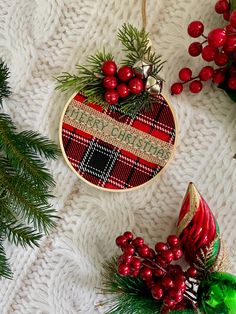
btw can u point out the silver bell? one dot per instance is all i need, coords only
(142, 69)
(154, 85)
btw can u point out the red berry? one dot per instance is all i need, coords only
(138, 242)
(128, 235)
(175, 270)
(226, 15)
(160, 261)
(192, 272)
(176, 88)
(157, 292)
(217, 37)
(136, 85)
(232, 19)
(232, 71)
(206, 73)
(185, 74)
(176, 294)
(230, 44)
(232, 83)
(128, 249)
(173, 240)
(209, 53)
(158, 272)
(123, 90)
(121, 241)
(126, 258)
(221, 6)
(179, 283)
(167, 282)
(136, 263)
(125, 73)
(109, 67)
(195, 86)
(111, 97)
(218, 77)
(195, 49)
(151, 254)
(146, 273)
(229, 29)
(169, 303)
(144, 250)
(134, 273)
(110, 82)
(161, 246)
(123, 270)
(221, 59)
(195, 29)
(178, 253)
(168, 256)
(150, 283)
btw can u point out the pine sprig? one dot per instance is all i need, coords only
(25, 211)
(5, 90)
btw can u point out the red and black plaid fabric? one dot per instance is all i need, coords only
(107, 166)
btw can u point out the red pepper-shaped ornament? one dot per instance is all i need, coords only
(197, 228)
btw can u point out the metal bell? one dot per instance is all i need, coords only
(154, 85)
(142, 69)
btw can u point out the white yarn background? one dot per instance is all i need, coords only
(41, 38)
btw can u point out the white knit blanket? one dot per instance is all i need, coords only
(41, 38)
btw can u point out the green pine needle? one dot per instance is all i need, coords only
(25, 211)
(5, 90)
(5, 270)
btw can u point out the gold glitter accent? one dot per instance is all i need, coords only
(194, 199)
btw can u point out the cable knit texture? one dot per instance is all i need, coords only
(41, 38)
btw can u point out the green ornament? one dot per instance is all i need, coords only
(217, 294)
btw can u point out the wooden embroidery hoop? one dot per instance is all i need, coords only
(108, 189)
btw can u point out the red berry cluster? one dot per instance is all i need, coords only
(119, 84)
(165, 281)
(218, 47)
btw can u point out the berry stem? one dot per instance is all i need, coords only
(204, 36)
(205, 41)
(192, 79)
(157, 265)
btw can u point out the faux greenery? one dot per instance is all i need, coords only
(25, 212)
(128, 295)
(88, 80)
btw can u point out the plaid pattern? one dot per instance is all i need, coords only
(106, 165)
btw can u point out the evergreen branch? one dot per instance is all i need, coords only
(128, 295)
(39, 144)
(5, 270)
(5, 90)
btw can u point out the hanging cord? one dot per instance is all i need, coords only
(144, 14)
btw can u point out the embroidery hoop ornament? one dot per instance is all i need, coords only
(131, 160)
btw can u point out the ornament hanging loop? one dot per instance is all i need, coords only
(144, 14)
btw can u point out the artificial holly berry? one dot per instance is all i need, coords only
(123, 270)
(209, 53)
(126, 258)
(121, 241)
(176, 88)
(173, 240)
(226, 15)
(109, 67)
(111, 97)
(146, 273)
(195, 86)
(218, 77)
(232, 83)
(157, 292)
(136, 85)
(128, 249)
(144, 250)
(158, 272)
(195, 49)
(178, 253)
(136, 263)
(167, 282)
(206, 73)
(128, 235)
(175, 270)
(192, 272)
(161, 261)
(123, 90)
(125, 73)
(221, 6)
(185, 74)
(138, 242)
(232, 19)
(195, 29)
(230, 44)
(217, 37)
(110, 82)
(168, 256)
(161, 246)
(221, 59)
(169, 303)
(179, 283)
